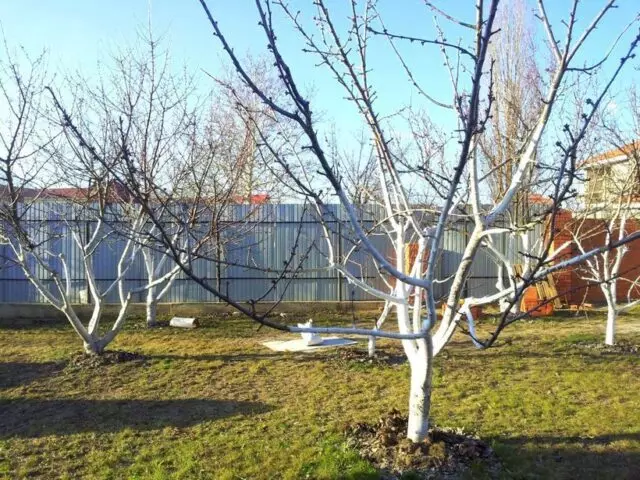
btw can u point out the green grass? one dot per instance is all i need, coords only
(213, 403)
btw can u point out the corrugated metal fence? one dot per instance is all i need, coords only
(261, 238)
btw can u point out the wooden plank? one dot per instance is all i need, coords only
(517, 269)
(549, 292)
(545, 289)
(557, 302)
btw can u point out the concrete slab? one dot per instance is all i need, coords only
(300, 345)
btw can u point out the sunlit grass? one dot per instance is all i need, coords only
(213, 403)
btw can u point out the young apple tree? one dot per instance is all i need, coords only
(185, 161)
(344, 47)
(35, 216)
(144, 111)
(609, 210)
(187, 165)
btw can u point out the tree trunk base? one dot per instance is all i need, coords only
(442, 453)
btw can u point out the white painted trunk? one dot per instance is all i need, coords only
(371, 346)
(94, 347)
(152, 307)
(419, 397)
(612, 316)
(609, 292)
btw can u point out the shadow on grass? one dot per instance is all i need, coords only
(14, 374)
(603, 456)
(32, 418)
(53, 323)
(231, 357)
(324, 355)
(583, 441)
(567, 351)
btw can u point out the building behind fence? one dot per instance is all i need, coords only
(264, 246)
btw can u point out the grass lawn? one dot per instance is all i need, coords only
(213, 403)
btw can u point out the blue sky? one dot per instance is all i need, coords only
(77, 33)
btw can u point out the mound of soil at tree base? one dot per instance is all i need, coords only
(110, 357)
(358, 356)
(444, 454)
(623, 347)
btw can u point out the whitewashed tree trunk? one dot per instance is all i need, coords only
(92, 348)
(611, 326)
(605, 269)
(152, 308)
(155, 279)
(152, 301)
(95, 347)
(420, 392)
(371, 344)
(612, 314)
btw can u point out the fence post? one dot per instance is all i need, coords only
(339, 229)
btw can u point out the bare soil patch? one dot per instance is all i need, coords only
(111, 357)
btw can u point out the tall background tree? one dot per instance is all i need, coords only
(517, 100)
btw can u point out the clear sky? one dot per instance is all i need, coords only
(79, 32)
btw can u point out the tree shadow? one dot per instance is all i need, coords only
(324, 355)
(589, 356)
(588, 457)
(310, 356)
(581, 440)
(48, 323)
(33, 418)
(223, 357)
(13, 374)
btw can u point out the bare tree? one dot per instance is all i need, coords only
(517, 100)
(185, 164)
(602, 226)
(184, 161)
(515, 104)
(36, 216)
(147, 110)
(235, 110)
(345, 57)
(609, 210)
(414, 232)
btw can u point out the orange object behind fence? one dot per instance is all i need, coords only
(532, 303)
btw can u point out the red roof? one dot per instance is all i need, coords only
(254, 199)
(65, 192)
(539, 199)
(116, 193)
(626, 151)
